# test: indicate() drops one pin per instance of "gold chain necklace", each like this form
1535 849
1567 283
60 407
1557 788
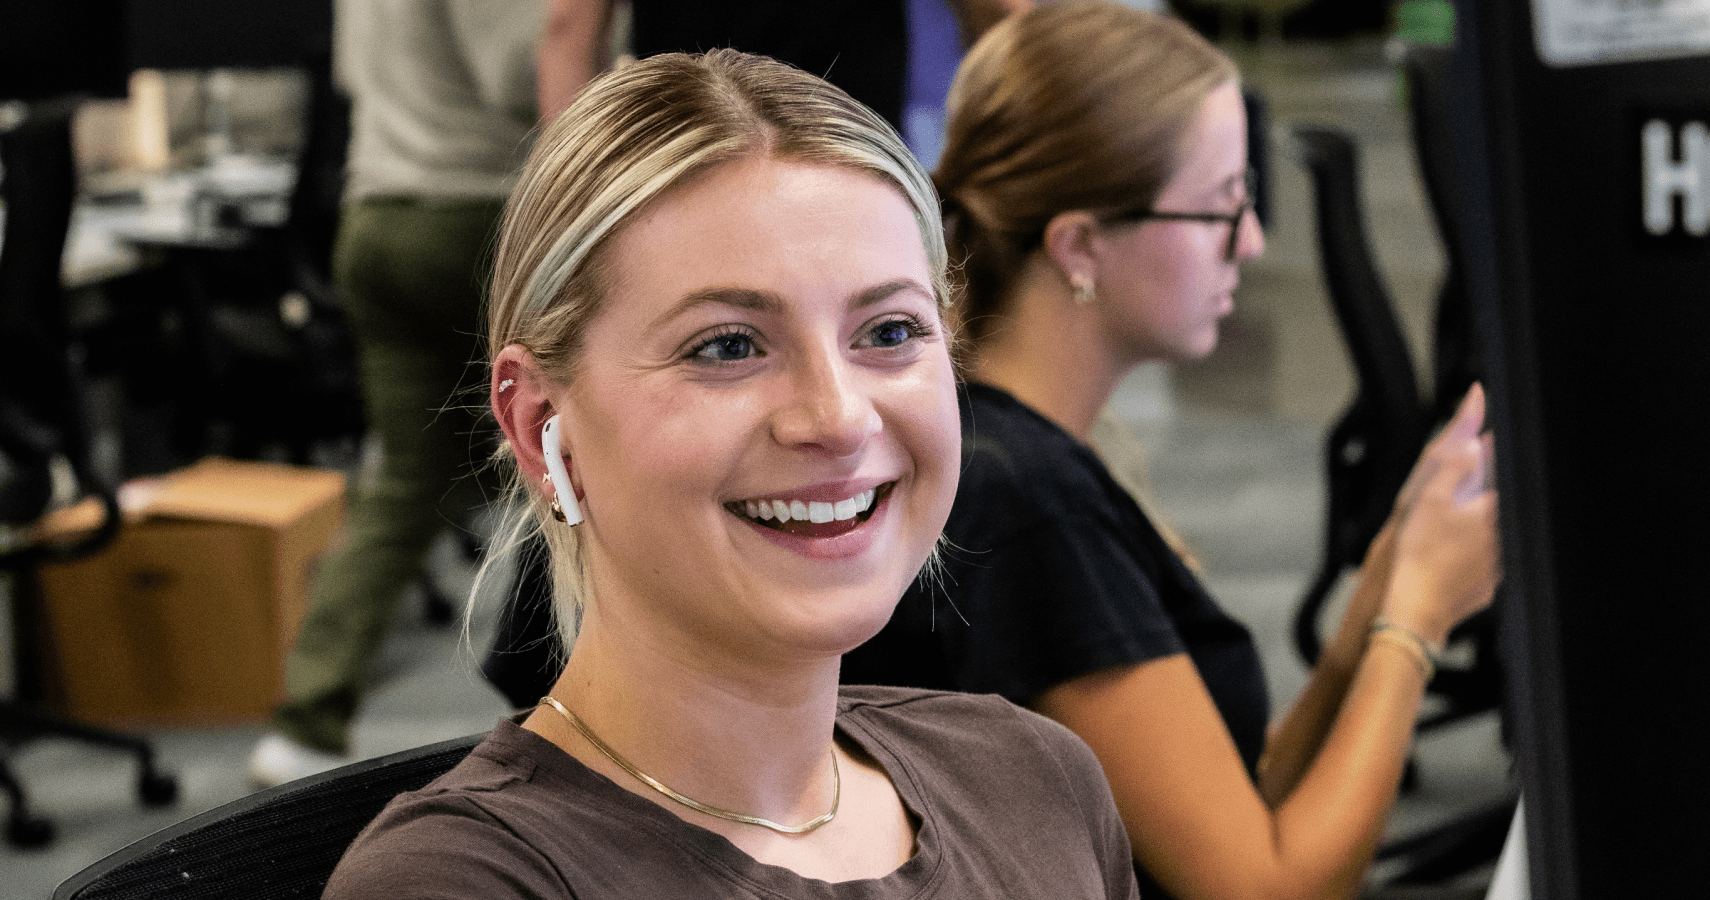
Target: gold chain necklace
698 806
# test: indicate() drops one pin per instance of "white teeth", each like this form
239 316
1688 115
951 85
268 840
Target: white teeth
811 511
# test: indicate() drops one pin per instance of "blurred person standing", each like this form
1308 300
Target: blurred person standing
443 105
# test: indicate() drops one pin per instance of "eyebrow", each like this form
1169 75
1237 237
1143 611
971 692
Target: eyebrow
878 293
767 301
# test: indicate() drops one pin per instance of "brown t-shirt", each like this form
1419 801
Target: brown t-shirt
1010 805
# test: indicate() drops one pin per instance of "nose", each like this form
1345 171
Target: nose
827 407
1249 237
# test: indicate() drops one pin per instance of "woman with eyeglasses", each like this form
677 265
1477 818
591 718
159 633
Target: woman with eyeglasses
1096 189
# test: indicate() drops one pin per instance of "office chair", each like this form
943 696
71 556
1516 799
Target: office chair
258 359
1456 363
280 843
268 329
1371 450
1426 73
42 420
1372 447
1476 687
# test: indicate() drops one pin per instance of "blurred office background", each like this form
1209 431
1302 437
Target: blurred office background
1231 448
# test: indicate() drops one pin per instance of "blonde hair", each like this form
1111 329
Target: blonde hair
629 137
1081 104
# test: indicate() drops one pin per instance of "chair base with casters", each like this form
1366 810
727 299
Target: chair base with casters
22 721
24 829
279 843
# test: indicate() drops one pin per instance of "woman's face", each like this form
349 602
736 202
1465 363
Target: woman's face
770 346
1163 285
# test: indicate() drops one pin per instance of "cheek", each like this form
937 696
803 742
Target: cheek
1176 286
936 432
947 428
638 443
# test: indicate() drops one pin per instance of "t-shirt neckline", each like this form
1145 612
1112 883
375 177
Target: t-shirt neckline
720 855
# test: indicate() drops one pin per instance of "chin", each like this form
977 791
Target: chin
1202 345
836 621
862 624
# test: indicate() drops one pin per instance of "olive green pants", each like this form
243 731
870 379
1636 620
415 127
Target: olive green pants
412 277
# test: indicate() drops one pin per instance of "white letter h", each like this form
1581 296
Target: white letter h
1663 177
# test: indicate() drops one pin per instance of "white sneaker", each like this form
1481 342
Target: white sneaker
278 759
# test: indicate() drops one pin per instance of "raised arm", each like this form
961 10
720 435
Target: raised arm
1195 819
1298 736
575 45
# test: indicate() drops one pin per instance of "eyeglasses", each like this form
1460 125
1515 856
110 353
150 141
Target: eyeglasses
1234 219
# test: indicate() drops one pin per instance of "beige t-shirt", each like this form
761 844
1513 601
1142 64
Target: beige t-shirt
1008 803
442 94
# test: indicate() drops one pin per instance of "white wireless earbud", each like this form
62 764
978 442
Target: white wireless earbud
549 445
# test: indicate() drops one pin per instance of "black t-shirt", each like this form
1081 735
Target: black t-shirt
1052 571
859 45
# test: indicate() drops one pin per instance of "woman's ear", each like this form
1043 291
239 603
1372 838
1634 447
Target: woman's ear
1069 243
521 405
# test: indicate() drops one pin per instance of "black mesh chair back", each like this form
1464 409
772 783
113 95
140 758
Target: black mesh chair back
280 843
1429 77
1372 447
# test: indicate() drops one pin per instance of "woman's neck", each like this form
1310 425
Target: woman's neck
756 744
1049 353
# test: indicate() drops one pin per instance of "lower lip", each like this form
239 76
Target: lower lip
853 542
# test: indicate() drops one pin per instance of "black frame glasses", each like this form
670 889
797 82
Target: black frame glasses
1232 219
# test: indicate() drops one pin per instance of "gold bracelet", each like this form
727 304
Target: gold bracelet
1413 651
1424 655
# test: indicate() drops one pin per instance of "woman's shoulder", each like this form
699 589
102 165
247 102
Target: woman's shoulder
1011 451
455 837
998 425
978 752
947 720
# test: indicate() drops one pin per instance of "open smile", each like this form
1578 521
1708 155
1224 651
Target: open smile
812 518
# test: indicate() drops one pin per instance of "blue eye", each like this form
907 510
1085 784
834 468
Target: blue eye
893 333
890 334
733 346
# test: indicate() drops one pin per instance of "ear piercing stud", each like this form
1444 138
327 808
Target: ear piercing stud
1085 294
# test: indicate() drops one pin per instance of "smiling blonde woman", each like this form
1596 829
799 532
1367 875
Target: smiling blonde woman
720 359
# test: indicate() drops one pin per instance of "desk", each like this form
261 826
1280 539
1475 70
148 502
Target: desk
207 208
183 293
